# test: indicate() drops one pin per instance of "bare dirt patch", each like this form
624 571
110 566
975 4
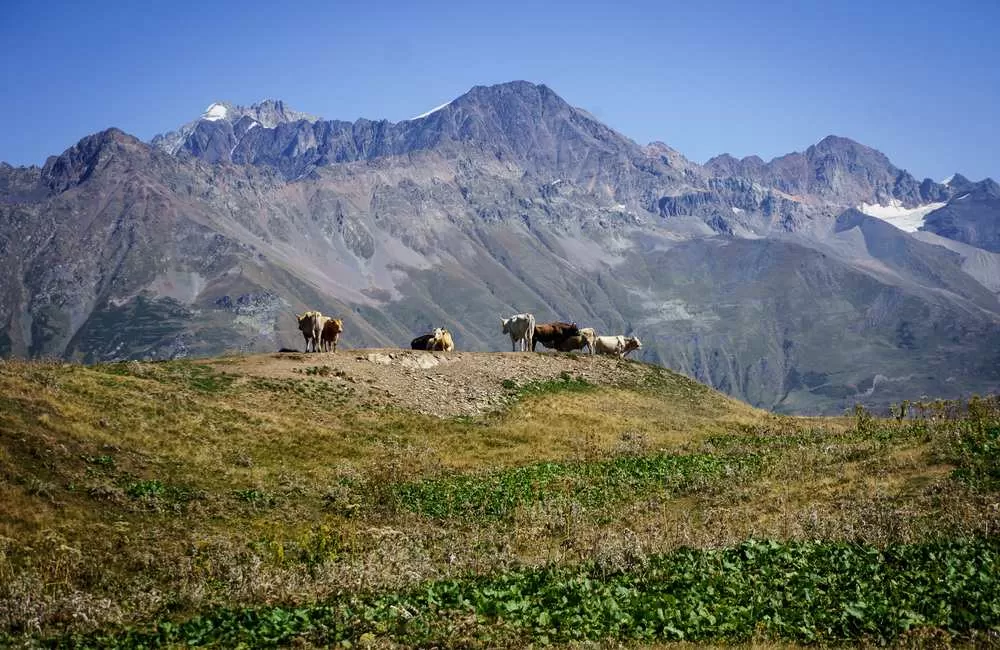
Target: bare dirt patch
444 384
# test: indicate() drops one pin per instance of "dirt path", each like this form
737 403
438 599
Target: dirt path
444 384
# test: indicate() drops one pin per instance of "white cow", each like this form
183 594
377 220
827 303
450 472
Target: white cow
589 335
618 346
311 325
521 327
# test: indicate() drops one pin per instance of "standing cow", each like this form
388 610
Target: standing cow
551 335
618 346
521 328
311 325
332 330
587 338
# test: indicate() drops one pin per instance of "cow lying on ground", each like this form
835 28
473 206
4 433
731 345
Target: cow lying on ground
421 342
332 329
521 328
587 338
441 342
552 334
618 346
311 326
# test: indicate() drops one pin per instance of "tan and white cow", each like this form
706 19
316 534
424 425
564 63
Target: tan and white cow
617 346
441 341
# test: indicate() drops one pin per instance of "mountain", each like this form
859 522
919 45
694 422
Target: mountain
762 279
973 217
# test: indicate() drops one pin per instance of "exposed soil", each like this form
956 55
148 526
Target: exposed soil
444 384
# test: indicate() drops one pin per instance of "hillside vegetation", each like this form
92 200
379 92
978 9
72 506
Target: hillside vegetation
382 498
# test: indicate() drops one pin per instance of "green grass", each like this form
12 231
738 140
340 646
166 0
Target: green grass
565 383
807 592
592 484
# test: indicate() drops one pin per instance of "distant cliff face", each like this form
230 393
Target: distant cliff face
758 278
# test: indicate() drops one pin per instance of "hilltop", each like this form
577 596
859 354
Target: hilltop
387 496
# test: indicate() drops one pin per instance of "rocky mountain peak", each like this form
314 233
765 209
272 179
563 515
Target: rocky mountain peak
78 162
226 117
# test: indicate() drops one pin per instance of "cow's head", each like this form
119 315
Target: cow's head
632 343
504 324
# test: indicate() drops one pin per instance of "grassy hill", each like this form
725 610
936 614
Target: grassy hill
381 497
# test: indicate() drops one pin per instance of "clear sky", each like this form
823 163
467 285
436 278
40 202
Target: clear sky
918 80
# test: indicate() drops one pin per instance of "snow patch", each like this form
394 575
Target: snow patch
906 219
215 112
737 210
948 180
423 115
964 196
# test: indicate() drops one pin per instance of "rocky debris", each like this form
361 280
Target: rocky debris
420 360
445 385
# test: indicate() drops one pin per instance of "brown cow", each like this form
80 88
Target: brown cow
585 339
332 330
552 334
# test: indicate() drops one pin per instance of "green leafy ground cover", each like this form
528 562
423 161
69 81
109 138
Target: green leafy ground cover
808 592
595 484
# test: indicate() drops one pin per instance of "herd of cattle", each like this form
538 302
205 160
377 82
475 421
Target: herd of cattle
322 333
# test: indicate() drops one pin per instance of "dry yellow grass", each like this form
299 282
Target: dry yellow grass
134 490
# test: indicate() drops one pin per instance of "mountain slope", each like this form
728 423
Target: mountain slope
505 200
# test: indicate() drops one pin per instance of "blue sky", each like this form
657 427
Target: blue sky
919 81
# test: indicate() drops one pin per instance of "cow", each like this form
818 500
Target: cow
421 342
441 342
585 339
332 329
311 326
551 334
521 328
618 346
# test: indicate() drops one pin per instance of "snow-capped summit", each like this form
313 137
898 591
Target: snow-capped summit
269 113
215 112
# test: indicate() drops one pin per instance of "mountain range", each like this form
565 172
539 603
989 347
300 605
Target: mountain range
805 284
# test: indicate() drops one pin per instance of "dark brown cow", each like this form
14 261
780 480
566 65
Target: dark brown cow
552 334
421 342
